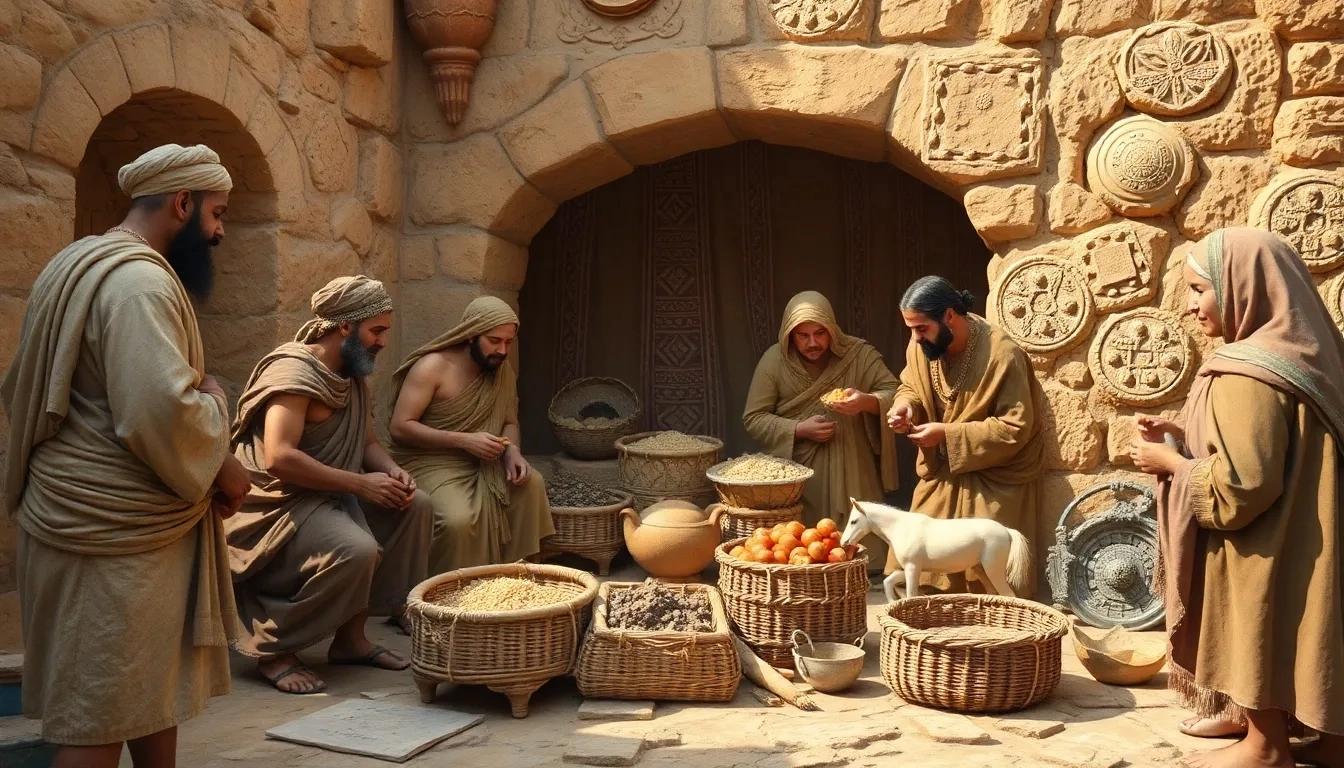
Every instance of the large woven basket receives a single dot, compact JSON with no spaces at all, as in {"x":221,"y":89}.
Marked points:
{"x":511,"y":652}
{"x":971,"y":653}
{"x":668,"y":666}
{"x":767,"y":602}
{"x":767,"y":494}
{"x":594,"y":533}
{"x":740,"y":522}
{"x":654,"y":475}
{"x":576,"y":400}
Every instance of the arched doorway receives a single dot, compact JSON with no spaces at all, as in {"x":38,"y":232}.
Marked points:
{"x":674,"y":277}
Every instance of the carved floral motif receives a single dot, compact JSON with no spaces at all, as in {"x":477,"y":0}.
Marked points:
{"x":1308,"y":212}
{"x":1142,"y":357}
{"x":1043,"y":303}
{"x":617,"y":9}
{"x":1174,"y":68}
{"x":665,"y":22}
{"x":812,"y":18}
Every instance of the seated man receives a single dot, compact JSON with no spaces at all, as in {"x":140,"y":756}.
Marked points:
{"x":332,"y":530}
{"x":455,"y":428}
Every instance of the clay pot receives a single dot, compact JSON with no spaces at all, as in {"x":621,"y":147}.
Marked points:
{"x":452,"y":32}
{"x":672,"y":542}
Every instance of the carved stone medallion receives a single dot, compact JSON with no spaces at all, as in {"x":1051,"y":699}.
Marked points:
{"x":1332,"y":291}
{"x":1308,"y":212}
{"x":576,"y":26}
{"x":1174,"y":68}
{"x":1119,"y":266}
{"x":1141,"y":167}
{"x":1042,"y":303}
{"x":618,"y":8}
{"x":813,"y":18}
{"x":1142,"y":357}
{"x":983,"y":116}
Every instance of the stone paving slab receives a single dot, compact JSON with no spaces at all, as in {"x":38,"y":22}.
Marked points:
{"x":614,"y":709}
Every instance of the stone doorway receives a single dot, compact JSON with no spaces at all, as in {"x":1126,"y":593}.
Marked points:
{"x":674,"y":277}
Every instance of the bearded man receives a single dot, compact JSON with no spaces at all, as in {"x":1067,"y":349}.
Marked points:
{"x":119,"y":475}
{"x":455,"y":428}
{"x":969,"y":401}
{"x":333,"y":530}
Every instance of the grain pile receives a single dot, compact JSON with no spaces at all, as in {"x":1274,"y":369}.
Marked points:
{"x":670,"y":441}
{"x":653,"y":607}
{"x":759,"y":467}
{"x":505,"y":593}
{"x":569,"y":491}
{"x":833,"y":397}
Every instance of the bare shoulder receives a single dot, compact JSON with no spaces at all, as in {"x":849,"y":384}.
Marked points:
{"x":429,"y":366}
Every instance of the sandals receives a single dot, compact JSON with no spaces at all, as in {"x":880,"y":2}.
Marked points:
{"x":370,"y":659}
{"x":295,"y":668}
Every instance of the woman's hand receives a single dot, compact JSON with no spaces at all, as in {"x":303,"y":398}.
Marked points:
{"x":1155,"y":458}
{"x":1153,"y":429}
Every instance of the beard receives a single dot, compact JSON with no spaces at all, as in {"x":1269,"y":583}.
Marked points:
{"x":357,"y":358}
{"x":486,"y":362}
{"x":938,"y":347}
{"x":189,"y":256}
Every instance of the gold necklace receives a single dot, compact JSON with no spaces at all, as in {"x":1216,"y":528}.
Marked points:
{"x":130,"y":232}
{"x":938,"y":373}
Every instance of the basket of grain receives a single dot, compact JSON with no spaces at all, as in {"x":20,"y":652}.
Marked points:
{"x":587,"y":521}
{"x":654,"y":640}
{"x":588,"y":415}
{"x":667,"y":465}
{"x":509,"y":627}
{"x":740,"y":522}
{"x":760,"y":481}
{"x":766,"y":602}
{"x":971,"y":653}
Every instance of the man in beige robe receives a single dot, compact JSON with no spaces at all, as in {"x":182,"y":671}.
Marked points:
{"x":119,"y":474}
{"x":332,"y":531}
{"x":844,"y":444}
{"x":969,"y":401}
{"x":455,"y":428}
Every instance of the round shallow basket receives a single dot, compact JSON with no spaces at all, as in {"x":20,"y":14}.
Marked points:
{"x":664,"y":666}
{"x":593,"y":533}
{"x":741,"y":522}
{"x":767,"y":602}
{"x":654,"y":475}
{"x":576,"y":400}
{"x":765,"y":494}
{"x":510,"y":652}
{"x":971,"y":653}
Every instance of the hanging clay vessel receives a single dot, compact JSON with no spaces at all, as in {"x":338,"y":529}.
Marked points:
{"x":452,"y":32}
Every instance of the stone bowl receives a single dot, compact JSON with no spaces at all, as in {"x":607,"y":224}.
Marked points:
{"x":1117,"y":656}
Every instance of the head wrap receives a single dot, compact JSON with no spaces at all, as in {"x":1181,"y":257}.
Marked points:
{"x":811,"y":307}
{"x":481,"y":315}
{"x":344,"y":300}
{"x":173,"y":168}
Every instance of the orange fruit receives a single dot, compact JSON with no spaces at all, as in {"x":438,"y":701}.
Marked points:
{"x":779,"y":530}
{"x":817,"y":550}
{"x":798,"y":552}
{"x":800,"y":560}
{"x":837,"y":555}
{"x":810,"y":535}
{"x":796,"y":528}
{"x":788,"y":541}
{"x":826,"y":526}
{"x":760,"y":533}
{"x":738,"y":551}
{"x":781,"y":557}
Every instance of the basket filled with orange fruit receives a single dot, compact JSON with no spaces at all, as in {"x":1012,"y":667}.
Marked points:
{"x":792,"y":577}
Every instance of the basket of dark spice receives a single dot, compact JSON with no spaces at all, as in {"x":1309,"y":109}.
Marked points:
{"x":654,"y":640}
{"x":587,"y":521}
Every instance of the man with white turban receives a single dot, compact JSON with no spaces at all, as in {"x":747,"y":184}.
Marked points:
{"x":332,"y":530}
{"x":119,"y":475}
{"x":455,"y":427}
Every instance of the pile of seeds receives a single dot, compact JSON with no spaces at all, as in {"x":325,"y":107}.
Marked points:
{"x":654,"y":607}
{"x":568,"y":491}
{"x":670,"y":441}
{"x":595,"y":422}
{"x":833,"y":397}
{"x":505,"y":593}
{"x":759,"y":467}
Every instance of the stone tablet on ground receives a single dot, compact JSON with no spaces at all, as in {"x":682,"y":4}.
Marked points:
{"x":394,"y":732}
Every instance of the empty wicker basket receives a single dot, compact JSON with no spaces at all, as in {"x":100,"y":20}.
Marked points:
{"x":767,"y":602}
{"x":510,"y":652}
{"x":652,"y":475}
{"x":594,"y":533}
{"x":761,"y":494}
{"x":740,"y":522}
{"x":667,"y":666}
{"x":588,"y":415}
{"x":971,"y":653}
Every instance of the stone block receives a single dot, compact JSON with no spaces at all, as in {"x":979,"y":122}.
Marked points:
{"x":1222,"y":196}
{"x":1310,"y":131}
{"x":475,"y":256}
{"x":726,"y":23}
{"x":834,"y":99}
{"x":1003,"y":211}
{"x":922,"y":19}
{"x":1201,"y":11}
{"x":984,"y":116}
{"x":1244,"y":118}
{"x":1090,"y":17}
{"x":98,"y":67}
{"x":284,"y":162}
{"x":1316,"y":69}
{"x":358,"y":31}
{"x":1084,"y":92}
{"x":264,"y":57}
{"x":148,"y":56}
{"x":512,"y":22}
{"x":242,"y":91}
{"x":601,"y":749}
{"x":1019,"y":21}
{"x":487,"y":192}
{"x":245,"y":273}
{"x":33,"y":228}
{"x":319,"y":79}
{"x":11,"y":321}
{"x":1303,"y":19}
{"x":1073,"y":374}
{"x":23,"y":79}
{"x":659,"y":105}
{"x":12,"y":172}
{"x":1076,"y":442}
{"x":427,"y":308}
{"x":558,"y":146}
{"x":1026,"y":726}
{"x":265,"y":124}
{"x":200,"y":56}
{"x":1120,"y":437}
{"x":332,"y":152}
{"x":350,"y":222}
{"x":947,"y":727}
{"x":381,"y":260}
{"x":284,"y":20}
{"x":304,"y":266}
{"x":65,"y":121}
{"x":44,"y":31}
{"x":1071,"y":208}
{"x":614,"y":710}
{"x":417,"y":258}
{"x":380,"y":176}
{"x":503,"y":88}
{"x":371,"y":98}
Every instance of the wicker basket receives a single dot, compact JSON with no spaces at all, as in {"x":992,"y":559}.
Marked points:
{"x":740,"y":522}
{"x":767,"y":602}
{"x":667,"y":666}
{"x":594,"y":533}
{"x":511,"y":652}
{"x":971,"y":653}
{"x":652,"y":476}
{"x":593,"y":442}
{"x":768,"y":494}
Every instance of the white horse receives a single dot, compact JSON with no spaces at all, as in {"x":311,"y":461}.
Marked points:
{"x":995,"y":554}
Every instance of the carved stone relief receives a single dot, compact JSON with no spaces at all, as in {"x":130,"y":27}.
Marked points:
{"x":1307,"y":211}
{"x":1141,"y":167}
{"x":1174,"y":68}
{"x":617,"y":9}
{"x":983,"y":117}
{"x":820,"y":19}
{"x":1120,"y":267}
{"x":576,"y":25}
{"x":1332,"y":291}
{"x":1142,"y":357}
{"x":1043,"y":303}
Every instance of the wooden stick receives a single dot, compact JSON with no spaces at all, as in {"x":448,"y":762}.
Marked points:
{"x":766,"y":676}
{"x":765,"y":697}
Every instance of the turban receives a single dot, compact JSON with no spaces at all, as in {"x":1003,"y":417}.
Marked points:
{"x":173,"y":168}
{"x":344,"y":300}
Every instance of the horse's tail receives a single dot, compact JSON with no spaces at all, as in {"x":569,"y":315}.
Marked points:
{"x":1018,"y":571}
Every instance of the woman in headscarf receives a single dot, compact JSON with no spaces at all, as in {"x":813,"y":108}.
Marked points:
{"x":1249,"y":511}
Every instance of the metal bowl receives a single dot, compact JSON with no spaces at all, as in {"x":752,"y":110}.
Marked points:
{"x":828,"y":667}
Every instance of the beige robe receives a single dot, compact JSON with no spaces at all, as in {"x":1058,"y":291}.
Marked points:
{"x":992,"y":459}
{"x":304,"y":562}
{"x":122,"y":571}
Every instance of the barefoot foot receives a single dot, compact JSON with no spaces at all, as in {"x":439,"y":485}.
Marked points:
{"x":1243,"y":754}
